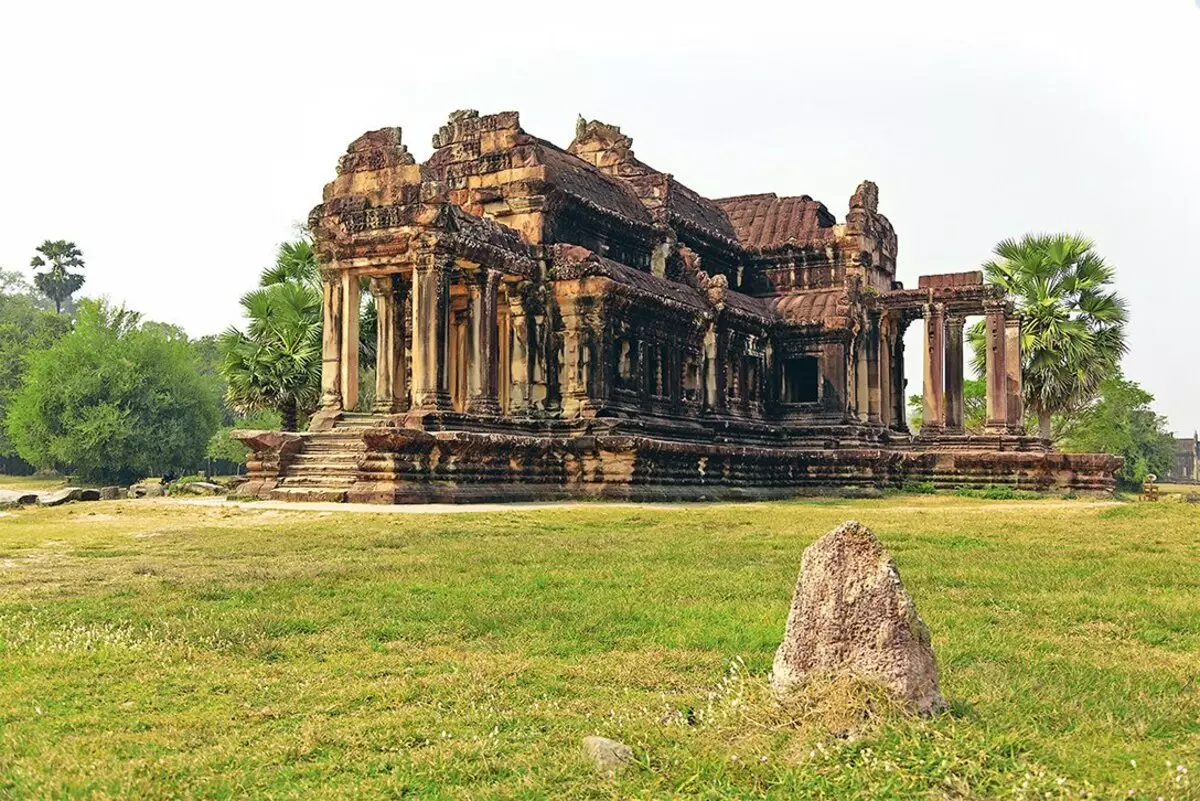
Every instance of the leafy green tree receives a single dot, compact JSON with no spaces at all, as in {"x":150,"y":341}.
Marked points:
{"x":113,"y":400}
{"x":223,"y":446}
{"x":1120,"y":421}
{"x":25,"y":330}
{"x":1072,"y":323}
{"x":56,"y":281}
{"x":276,"y":362}
{"x":974,"y":406}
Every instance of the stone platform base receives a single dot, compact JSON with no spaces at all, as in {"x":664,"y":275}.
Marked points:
{"x":401,"y":465}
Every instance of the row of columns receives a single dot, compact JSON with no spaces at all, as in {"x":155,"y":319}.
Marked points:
{"x":428,"y":326}
{"x":879,"y":373}
{"x":944,"y":373}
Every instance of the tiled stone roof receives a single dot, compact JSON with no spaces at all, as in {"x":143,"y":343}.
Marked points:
{"x":828,"y":307}
{"x":578,"y":178}
{"x":767,"y":221}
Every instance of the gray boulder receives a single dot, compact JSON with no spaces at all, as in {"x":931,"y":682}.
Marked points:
{"x":607,"y":755}
{"x":146,"y":491}
{"x":89,"y":495}
{"x":112,"y":493}
{"x":60,"y":497}
{"x":851,"y":615}
{"x":202,"y":488}
{"x":16,"y":498}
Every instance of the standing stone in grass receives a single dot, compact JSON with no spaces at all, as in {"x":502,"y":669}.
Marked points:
{"x":607,"y":755}
{"x":111,"y":493}
{"x":851,"y":615}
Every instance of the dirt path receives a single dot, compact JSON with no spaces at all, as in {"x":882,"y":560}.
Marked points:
{"x":456,"y":508}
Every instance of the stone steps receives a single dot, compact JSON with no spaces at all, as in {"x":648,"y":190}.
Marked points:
{"x":320,"y":494}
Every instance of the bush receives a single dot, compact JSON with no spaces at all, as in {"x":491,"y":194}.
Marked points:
{"x":113,"y":400}
{"x":919,"y":487}
{"x":1000,"y":492}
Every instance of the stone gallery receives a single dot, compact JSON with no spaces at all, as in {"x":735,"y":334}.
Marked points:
{"x":575,"y":323}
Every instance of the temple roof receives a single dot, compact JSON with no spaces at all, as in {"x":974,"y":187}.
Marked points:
{"x":828,"y":307}
{"x":581,"y":180}
{"x":698,"y":211}
{"x":767,"y":221}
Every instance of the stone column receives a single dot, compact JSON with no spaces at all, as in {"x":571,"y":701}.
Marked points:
{"x":833,"y":363}
{"x":874,"y":379}
{"x":389,"y":343}
{"x":331,"y":340}
{"x":885,"y":373}
{"x":1012,"y":353}
{"x":899,"y":385}
{"x":350,"y":312}
{"x":997,"y":366}
{"x":430,"y":332}
{"x":483,"y":355}
{"x":518,"y":352}
{"x":935,"y":352}
{"x":714,"y":373}
{"x":954,"y":374}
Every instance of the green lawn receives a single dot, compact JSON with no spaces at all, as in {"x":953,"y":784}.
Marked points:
{"x":150,"y":649}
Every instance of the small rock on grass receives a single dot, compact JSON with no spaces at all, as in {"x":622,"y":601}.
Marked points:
{"x":607,"y":755}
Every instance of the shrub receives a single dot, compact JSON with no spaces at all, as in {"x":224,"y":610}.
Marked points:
{"x":113,"y":400}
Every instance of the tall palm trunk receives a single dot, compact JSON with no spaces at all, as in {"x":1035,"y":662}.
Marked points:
{"x":287,"y":411}
{"x":1044,"y":423}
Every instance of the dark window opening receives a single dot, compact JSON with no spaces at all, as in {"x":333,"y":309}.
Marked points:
{"x":800,"y":380}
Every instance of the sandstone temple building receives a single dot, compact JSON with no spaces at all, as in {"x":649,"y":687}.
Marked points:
{"x":575,"y":323}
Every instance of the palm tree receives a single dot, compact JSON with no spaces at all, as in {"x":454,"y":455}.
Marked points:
{"x":1072,"y":323}
{"x":58,"y":282}
{"x":276,"y":362}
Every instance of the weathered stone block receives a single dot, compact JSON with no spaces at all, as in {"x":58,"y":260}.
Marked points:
{"x":852,"y":616}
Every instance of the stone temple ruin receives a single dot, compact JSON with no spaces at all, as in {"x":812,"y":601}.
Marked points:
{"x":575,"y":323}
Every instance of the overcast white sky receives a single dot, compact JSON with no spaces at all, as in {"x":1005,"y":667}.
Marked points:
{"x":176,"y":144}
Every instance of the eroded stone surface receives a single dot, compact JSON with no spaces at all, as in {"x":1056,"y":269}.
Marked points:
{"x":851,"y":615}
{"x":607,"y":755}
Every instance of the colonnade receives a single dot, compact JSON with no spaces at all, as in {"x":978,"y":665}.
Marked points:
{"x":879,"y":372}
{"x":426,"y":293}
{"x":944,"y":373}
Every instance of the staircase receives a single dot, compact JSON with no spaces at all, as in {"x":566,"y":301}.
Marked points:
{"x":325,"y":468}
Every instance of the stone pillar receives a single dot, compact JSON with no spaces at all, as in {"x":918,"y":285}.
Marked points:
{"x":885,"y":373}
{"x":714,"y":374}
{"x":389,"y":344}
{"x":874,"y":379}
{"x":519,"y":395}
{"x":935,"y":352}
{"x":349,"y":366}
{"x":331,"y":341}
{"x":832,"y":362}
{"x":576,"y":371}
{"x":483,"y":354}
{"x":899,"y":385}
{"x":996,"y":366}
{"x":1012,"y":353}
{"x":954,"y":374}
{"x":430,"y":332}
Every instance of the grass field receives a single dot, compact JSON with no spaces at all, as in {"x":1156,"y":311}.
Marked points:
{"x":152,"y":649}
{"x":31,"y":483}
